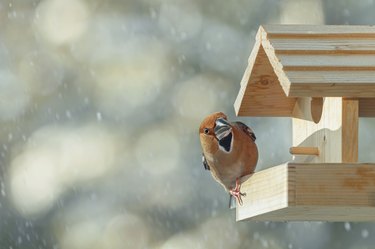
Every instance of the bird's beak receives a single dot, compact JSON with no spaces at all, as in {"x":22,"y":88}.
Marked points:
{"x":222,"y":128}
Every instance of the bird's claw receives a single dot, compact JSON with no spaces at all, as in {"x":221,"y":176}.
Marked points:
{"x":236,"y":193}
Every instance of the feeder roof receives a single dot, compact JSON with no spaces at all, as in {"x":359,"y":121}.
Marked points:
{"x":291,"y":61}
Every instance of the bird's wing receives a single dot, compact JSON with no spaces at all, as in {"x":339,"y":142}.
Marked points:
{"x":205,"y":164}
{"x":246,"y":129}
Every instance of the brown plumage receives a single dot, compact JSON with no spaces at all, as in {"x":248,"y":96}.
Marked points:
{"x":229,"y":151}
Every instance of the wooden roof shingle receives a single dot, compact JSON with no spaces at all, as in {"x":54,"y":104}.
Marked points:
{"x":291,"y":61}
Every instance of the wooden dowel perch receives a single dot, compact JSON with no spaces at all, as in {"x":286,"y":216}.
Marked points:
{"x":313,"y":151}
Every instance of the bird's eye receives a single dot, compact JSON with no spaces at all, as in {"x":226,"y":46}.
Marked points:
{"x":206,"y":130}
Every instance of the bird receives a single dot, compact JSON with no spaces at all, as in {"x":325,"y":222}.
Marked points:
{"x":229,"y":151}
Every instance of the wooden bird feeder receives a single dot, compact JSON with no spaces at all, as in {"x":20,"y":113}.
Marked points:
{"x":323,"y":77}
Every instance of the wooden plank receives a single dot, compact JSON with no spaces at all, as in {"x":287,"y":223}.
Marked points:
{"x":318,"y":213}
{"x":294,"y":87}
{"x":333,"y":61}
{"x":275,"y":63}
{"x":329,"y":46}
{"x":350,"y":119}
{"x":263,"y":195}
{"x":332,"y":83}
{"x":315,"y":192}
{"x":328,"y":68}
{"x":319,"y":31}
{"x":335,"y":185}
{"x":332,"y":90}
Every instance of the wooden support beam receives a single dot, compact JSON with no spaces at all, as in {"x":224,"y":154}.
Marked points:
{"x":310,"y":192}
{"x":350,"y":116}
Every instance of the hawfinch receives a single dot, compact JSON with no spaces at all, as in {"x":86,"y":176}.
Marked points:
{"x":229,"y":151}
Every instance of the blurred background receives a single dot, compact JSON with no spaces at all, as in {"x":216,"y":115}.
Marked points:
{"x":100,"y":104}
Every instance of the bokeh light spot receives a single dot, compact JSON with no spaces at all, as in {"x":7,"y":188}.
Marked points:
{"x":61,"y":21}
{"x":34,"y":181}
{"x":55,"y":159}
{"x":131,"y":78}
{"x":158,"y":151}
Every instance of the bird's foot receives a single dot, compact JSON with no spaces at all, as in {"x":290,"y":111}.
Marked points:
{"x":236,"y":193}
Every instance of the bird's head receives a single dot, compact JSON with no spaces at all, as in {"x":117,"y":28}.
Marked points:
{"x":214,"y":128}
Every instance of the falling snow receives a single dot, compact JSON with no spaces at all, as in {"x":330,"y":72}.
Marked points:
{"x":99,"y":114}
{"x":364,"y":233}
{"x":347,"y":226}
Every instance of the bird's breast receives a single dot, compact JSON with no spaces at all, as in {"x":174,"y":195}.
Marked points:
{"x":241,"y":161}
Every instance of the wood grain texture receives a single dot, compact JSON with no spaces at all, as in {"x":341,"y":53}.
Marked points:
{"x":350,"y":120}
{"x":311,"y":151}
{"x":325,"y":135}
{"x":313,"y":72}
{"x":319,"y":31}
{"x":330,"y":62}
{"x":323,"y":46}
{"x":275,"y":62}
{"x":240,"y":107}
{"x":266,"y":191}
{"x":293,"y":61}
{"x":332,"y":90}
{"x":261,"y":93}
{"x":289,"y":66}
{"x":310,"y":192}
{"x":331,"y":77}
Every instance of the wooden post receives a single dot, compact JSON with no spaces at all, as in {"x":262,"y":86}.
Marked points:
{"x":350,"y":114}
